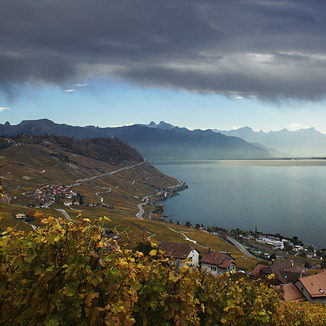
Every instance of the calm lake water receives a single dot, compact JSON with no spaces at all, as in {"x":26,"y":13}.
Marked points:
{"x":287,"y":197}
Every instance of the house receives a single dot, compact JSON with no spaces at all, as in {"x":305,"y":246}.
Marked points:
{"x":180,"y":251}
{"x":291,"y":293}
{"x":217,"y":262}
{"x":285,"y":271}
{"x":275,"y":242}
{"x":256,"y":272}
{"x":20,"y":216}
{"x":313,"y":287}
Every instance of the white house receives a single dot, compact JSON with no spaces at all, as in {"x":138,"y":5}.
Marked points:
{"x":180,"y":251}
{"x":217,"y":263}
{"x":20,"y":216}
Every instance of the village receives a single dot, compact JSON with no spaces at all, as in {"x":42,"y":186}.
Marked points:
{"x":265,"y":245}
{"x":295,"y":282}
{"x":49,"y":193}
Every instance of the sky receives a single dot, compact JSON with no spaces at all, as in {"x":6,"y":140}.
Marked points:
{"x":199,"y":64}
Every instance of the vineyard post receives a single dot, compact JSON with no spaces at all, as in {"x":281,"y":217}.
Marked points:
{"x":227,"y":287}
{"x":178,"y":266}
{"x":98,"y":266}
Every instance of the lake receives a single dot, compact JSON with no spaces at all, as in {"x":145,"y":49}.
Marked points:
{"x":277,"y":196}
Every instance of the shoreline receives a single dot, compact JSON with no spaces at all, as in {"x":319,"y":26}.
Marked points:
{"x":232,"y":239}
{"x":213,"y":185}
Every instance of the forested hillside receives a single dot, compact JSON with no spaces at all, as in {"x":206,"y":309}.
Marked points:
{"x":111,"y":150}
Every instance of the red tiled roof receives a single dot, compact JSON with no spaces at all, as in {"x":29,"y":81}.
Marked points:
{"x":297,"y":269}
{"x":286,"y":271}
{"x":315,"y":284}
{"x":291,"y":293}
{"x":176,"y":250}
{"x":225,"y":263}
{"x":256,"y":270}
{"x":219,"y":259}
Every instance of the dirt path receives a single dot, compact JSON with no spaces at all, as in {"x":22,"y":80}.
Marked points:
{"x":106,"y":174}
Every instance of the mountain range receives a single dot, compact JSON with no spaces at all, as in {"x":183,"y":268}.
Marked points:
{"x":154,"y":142}
{"x":301,"y":143}
{"x":164,"y":141}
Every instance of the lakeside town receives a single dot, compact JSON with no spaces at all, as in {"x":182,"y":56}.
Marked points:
{"x":267,"y":246}
{"x":262,"y":246}
{"x":277,"y":254}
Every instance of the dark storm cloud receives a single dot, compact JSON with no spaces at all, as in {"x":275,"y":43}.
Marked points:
{"x":269,"y":49}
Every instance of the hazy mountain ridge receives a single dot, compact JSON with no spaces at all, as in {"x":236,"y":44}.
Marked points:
{"x":304,"y":142}
{"x":155,"y":143}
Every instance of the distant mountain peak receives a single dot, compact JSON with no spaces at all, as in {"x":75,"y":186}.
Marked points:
{"x":244,"y":128}
{"x":46,"y":121}
{"x":310,"y":130}
{"x":162,"y":125}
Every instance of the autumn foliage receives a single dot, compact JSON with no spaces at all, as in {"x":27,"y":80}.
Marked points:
{"x":71,"y":274}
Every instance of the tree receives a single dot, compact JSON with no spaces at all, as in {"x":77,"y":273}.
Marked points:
{"x":272,"y":257}
{"x":310,"y":248}
{"x":295,"y":240}
{"x":287,"y":246}
{"x":188,"y":224}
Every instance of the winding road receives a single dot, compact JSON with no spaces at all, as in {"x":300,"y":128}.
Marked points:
{"x":187,"y":238}
{"x":102,"y":192}
{"x":240,"y":246}
{"x":233,"y":241}
{"x":107,"y":174}
{"x":65,"y":214}
{"x":140,"y":207}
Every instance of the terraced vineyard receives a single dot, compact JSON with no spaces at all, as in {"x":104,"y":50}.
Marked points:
{"x":32,"y":163}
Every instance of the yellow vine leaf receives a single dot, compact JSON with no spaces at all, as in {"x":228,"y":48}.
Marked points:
{"x":153,"y":252}
{"x":90,"y":298}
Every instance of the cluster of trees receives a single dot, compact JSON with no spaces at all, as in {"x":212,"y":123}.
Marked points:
{"x":111,"y":150}
{"x":71,"y":274}
{"x":4,"y":143}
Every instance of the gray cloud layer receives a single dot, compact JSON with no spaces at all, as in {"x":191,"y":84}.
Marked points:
{"x":265,"y":48}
